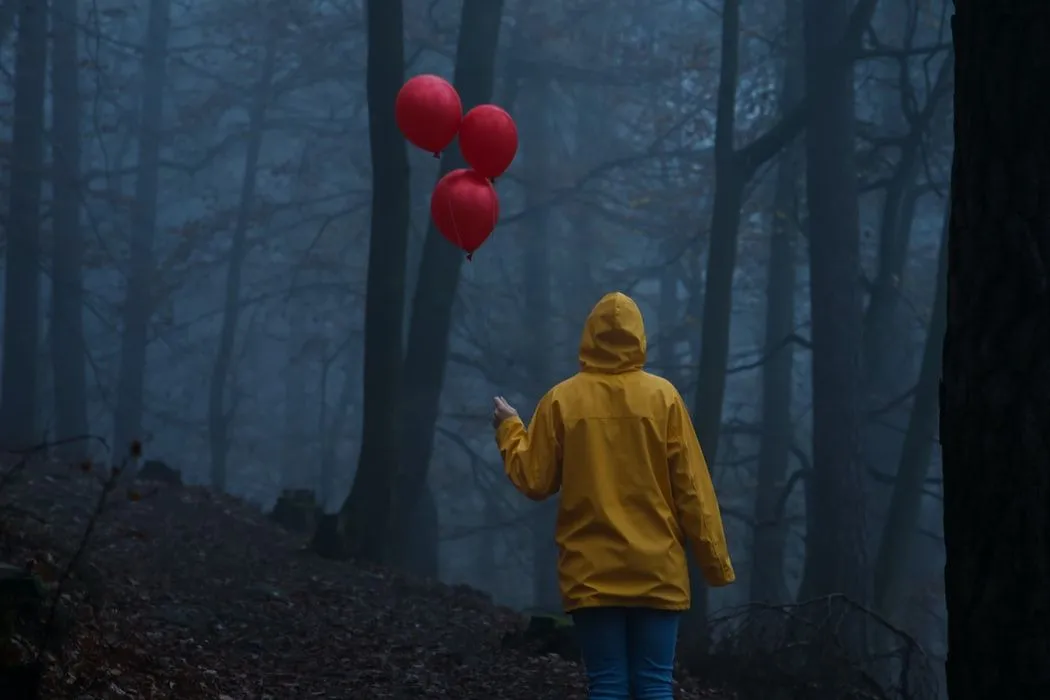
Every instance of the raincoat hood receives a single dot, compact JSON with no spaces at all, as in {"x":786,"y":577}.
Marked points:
{"x":613,"y":338}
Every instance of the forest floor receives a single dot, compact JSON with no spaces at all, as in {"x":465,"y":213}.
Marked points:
{"x":183,"y":594}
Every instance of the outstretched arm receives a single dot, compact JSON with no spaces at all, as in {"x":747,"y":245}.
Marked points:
{"x":532,"y":458}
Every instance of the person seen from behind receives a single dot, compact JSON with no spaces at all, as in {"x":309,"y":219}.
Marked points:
{"x":618,"y":445}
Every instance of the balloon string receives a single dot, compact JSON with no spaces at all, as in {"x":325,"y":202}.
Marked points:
{"x":455,"y":227}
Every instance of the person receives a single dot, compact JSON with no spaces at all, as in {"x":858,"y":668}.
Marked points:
{"x":619,"y":446}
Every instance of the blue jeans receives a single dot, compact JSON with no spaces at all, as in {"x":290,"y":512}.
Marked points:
{"x":628,"y":652}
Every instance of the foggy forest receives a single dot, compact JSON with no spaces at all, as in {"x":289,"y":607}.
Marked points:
{"x":246,"y":384}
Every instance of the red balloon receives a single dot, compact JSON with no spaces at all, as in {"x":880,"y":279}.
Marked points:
{"x":428,"y":111}
{"x":488,"y":139}
{"x":465,"y":208}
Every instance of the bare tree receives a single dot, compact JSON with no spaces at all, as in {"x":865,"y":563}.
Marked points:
{"x":902,"y":517}
{"x":220,"y":416}
{"x":18,"y":390}
{"x":68,"y":350}
{"x":426,"y":357}
{"x":534,"y":106}
{"x":363,"y":526}
{"x":770,"y":531}
{"x":138,"y":295}
{"x":835,"y":535}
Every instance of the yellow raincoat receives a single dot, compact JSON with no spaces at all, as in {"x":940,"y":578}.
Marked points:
{"x":619,"y":445}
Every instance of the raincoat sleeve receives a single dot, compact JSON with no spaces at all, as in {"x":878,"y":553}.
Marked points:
{"x":694,"y":497}
{"x":532,"y":458}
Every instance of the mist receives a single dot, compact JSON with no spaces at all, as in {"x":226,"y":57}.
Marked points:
{"x":223,"y":293}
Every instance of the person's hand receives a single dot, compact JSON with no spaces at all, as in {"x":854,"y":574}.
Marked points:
{"x":501,"y":411}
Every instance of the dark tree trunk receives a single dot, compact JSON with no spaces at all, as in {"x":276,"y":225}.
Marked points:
{"x":67,"y":322}
{"x":770,"y":531}
{"x":721,"y":261}
{"x":428,"y":334}
{"x":294,"y":438}
{"x":220,"y":416}
{"x":18,"y":389}
{"x":888,"y":356}
{"x":882,"y":323}
{"x":138,"y":295}
{"x":902,"y":519}
{"x":734,"y":168}
{"x":8,"y":10}
{"x":718,"y":288}
{"x":535,"y":236}
{"x":995,"y":393}
{"x":835,"y":538}
{"x":332,"y":427}
{"x":295,"y":442}
{"x":365,"y":515}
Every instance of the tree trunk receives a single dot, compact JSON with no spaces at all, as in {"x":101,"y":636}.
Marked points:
{"x":294,"y":436}
{"x":18,"y":389}
{"x":721,"y":260}
{"x":770,"y":531}
{"x":734,"y":169}
{"x":428,"y":333}
{"x":219,"y":415}
{"x":835,"y":537}
{"x":535,"y":237}
{"x":488,"y":561}
{"x":902,"y":518}
{"x":881,"y":325}
{"x":718,"y":288}
{"x":365,"y":517}
{"x":889,"y":357}
{"x":332,"y":428}
{"x":995,"y":394}
{"x":8,"y":10}
{"x":138,"y":301}
{"x":67,"y":302}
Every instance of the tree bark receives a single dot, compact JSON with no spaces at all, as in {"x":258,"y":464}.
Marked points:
{"x":770,"y":532}
{"x":138,"y":301}
{"x":836,"y":543}
{"x":995,"y":392}
{"x":220,"y":415}
{"x":18,"y":388}
{"x":365,"y":517}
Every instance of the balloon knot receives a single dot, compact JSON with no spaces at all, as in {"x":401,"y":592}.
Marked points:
{"x":470,"y":256}
{"x":492,"y":180}
{"x":437,"y":154}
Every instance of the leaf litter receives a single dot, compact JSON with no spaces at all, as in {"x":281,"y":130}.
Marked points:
{"x":185,"y":594}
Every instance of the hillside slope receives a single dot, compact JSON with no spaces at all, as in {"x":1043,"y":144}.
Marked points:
{"x":182,"y":594}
